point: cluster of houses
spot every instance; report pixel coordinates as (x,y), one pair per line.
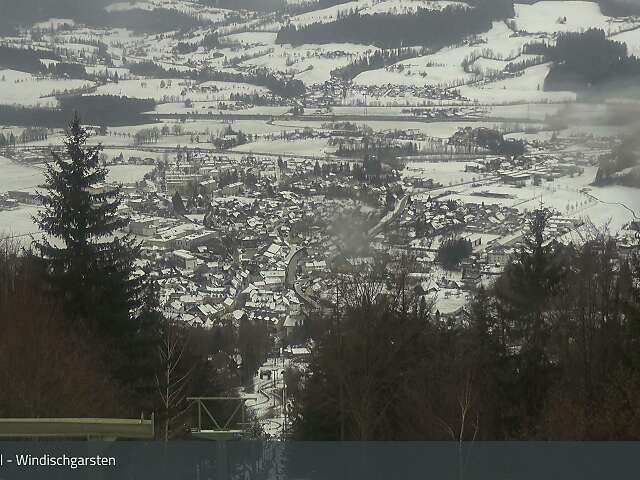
(261,244)
(336,91)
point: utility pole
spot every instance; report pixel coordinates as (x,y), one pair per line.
(275,384)
(340,383)
(284,405)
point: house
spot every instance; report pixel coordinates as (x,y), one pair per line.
(475,239)
(274,277)
(177,181)
(143,226)
(498,255)
(473,167)
(292,324)
(301,353)
(233,189)
(471,276)
(209,185)
(518,179)
(24,196)
(228,304)
(184,259)
(99,188)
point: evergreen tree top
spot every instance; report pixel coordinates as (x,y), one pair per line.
(78,208)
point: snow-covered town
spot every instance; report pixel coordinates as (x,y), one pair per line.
(255,173)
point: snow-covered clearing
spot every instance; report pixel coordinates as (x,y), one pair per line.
(25,177)
(126,6)
(18,221)
(528,87)
(54,24)
(20,88)
(18,177)
(531,111)
(312,147)
(184,6)
(446,173)
(128,173)
(172,90)
(549,17)
(252,38)
(631,38)
(444,68)
(565,196)
(311,63)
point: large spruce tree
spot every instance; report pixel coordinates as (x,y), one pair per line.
(90,263)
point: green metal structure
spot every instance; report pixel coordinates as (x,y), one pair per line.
(221,431)
(77,428)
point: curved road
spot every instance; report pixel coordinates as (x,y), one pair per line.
(389,218)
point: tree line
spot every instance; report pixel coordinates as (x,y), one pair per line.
(30,61)
(488,139)
(620,166)
(29,134)
(278,85)
(619,8)
(25,59)
(96,110)
(374,61)
(452,251)
(548,352)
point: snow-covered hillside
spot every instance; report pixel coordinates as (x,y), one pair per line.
(372,7)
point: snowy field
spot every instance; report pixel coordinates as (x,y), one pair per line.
(18,222)
(549,17)
(446,173)
(54,24)
(526,88)
(632,39)
(20,88)
(311,147)
(21,177)
(537,112)
(128,173)
(500,46)
(444,68)
(18,177)
(565,196)
(311,63)
(252,38)
(26,177)
(168,90)
(183,6)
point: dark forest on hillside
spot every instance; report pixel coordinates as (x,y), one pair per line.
(589,61)
(425,27)
(619,8)
(94,110)
(15,13)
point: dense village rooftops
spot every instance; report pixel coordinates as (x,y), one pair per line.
(274,273)
(273,250)
(183,254)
